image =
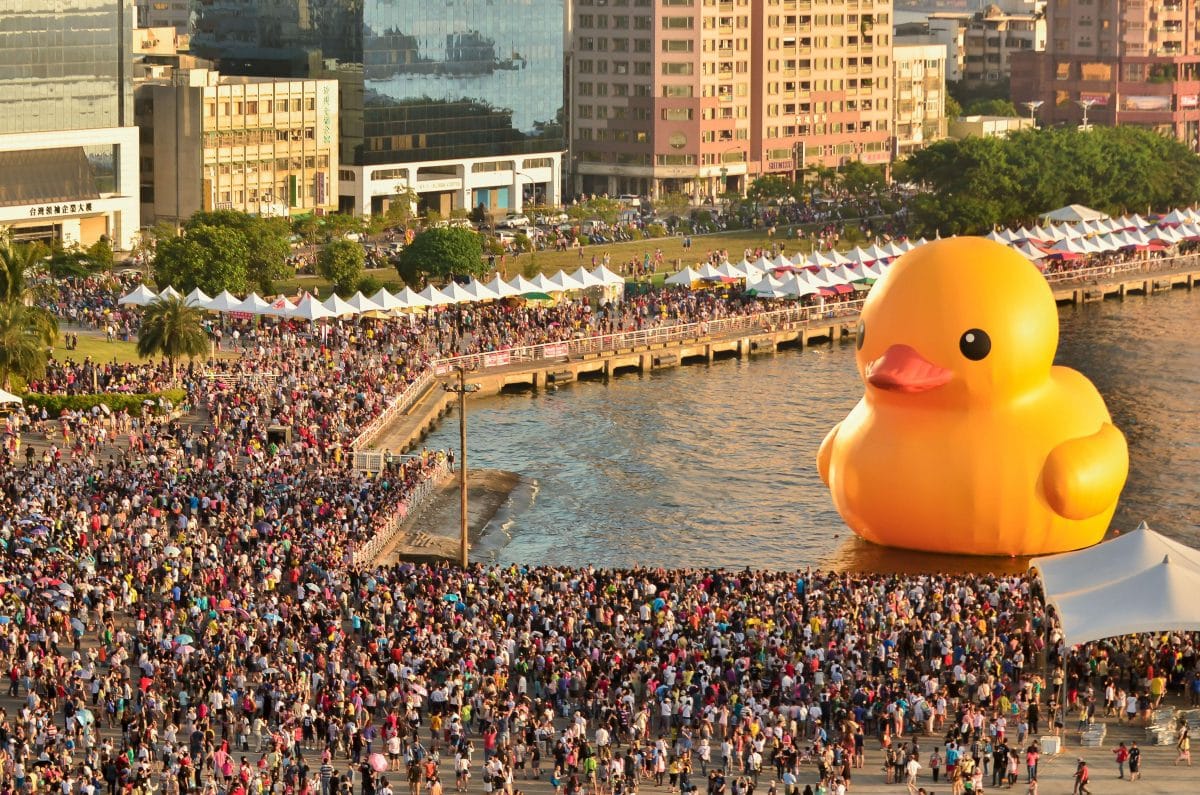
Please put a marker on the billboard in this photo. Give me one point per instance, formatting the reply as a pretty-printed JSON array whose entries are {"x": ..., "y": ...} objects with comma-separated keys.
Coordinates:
[{"x": 1134, "y": 102}]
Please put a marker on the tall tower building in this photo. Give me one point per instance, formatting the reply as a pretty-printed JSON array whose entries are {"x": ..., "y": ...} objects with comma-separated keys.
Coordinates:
[
  {"x": 462, "y": 102},
  {"x": 68, "y": 147},
  {"x": 703, "y": 96},
  {"x": 1129, "y": 62}
]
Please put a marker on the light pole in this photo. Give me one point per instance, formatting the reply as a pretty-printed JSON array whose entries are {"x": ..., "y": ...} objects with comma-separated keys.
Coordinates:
[
  {"x": 1032, "y": 106},
  {"x": 532, "y": 242},
  {"x": 1086, "y": 104},
  {"x": 462, "y": 389}
]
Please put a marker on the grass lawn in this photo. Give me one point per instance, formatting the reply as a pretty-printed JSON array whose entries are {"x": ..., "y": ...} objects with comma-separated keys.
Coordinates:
[{"x": 93, "y": 345}]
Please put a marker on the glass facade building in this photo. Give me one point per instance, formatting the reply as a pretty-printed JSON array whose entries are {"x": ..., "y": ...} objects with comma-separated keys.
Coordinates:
[
  {"x": 65, "y": 65},
  {"x": 420, "y": 81}
]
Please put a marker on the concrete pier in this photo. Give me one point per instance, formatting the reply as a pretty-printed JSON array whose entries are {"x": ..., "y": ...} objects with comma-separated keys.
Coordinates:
[{"x": 411, "y": 428}]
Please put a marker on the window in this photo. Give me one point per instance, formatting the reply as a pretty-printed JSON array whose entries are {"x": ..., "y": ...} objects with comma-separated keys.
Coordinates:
[
  {"x": 671, "y": 68},
  {"x": 678, "y": 23},
  {"x": 677, "y": 45},
  {"x": 677, "y": 114},
  {"x": 677, "y": 92}
]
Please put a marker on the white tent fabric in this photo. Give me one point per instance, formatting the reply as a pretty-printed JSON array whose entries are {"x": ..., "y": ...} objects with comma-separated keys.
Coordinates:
[
  {"x": 795, "y": 286},
  {"x": 197, "y": 297},
  {"x": 8, "y": 397},
  {"x": 142, "y": 296},
  {"x": 1139, "y": 582},
  {"x": 588, "y": 279},
  {"x": 456, "y": 293},
  {"x": 502, "y": 288},
  {"x": 1073, "y": 213},
  {"x": 224, "y": 301},
  {"x": 280, "y": 307},
  {"x": 608, "y": 277},
  {"x": 337, "y": 307},
  {"x": 523, "y": 286},
  {"x": 768, "y": 287},
  {"x": 731, "y": 271},
  {"x": 412, "y": 300},
  {"x": 169, "y": 292},
  {"x": 310, "y": 308},
  {"x": 254, "y": 305},
  {"x": 709, "y": 273},
  {"x": 363, "y": 304},
  {"x": 479, "y": 291},
  {"x": 386, "y": 300},
  {"x": 684, "y": 277},
  {"x": 1179, "y": 216},
  {"x": 1029, "y": 251},
  {"x": 435, "y": 297},
  {"x": 563, "y": 282}
]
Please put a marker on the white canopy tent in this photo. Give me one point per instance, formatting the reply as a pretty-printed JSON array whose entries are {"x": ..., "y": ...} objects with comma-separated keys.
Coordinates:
[
  {"x": 435, "y": 297},
  {"x": 141, "y": 296},
  {"x": 409, "y": 299},
  {"x": 280, "y": 307},
  {"x": 480, "y": 291},
  {"x": 588, "y": 279},
  {"x": 607, "y": 277},
  {"x": 386, "y": 300},
  {"x": 1073, "y": 213},
  {"x": 197, "y": 297},
  {"x": 1139, "y": 582},
  {"x": 523, "y": 286},
  {"x": 224, "y": 301},
  {"x": 309, "y": 308},
  {"x": 684, "y": 277},
  {"x": 168, "y": 293},
  {"x": 254, "y": 304},
  {"x": 363, "y": 304},
  {"x": 457, "y": 293},
  {"x": 337, "y": 307},
  {"x": 8, "y": 397},
  {"x": 502, "y": 288}
]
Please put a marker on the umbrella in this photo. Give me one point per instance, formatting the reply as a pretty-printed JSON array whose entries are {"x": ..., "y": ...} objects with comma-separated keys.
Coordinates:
[
  {"x": 182, "y": 650},
  {"x": 377, "y": 762},
  {"x": 78, "y": 625},
  {"x": 85, "y": 717},
  {"x": 5, "y": 620},
  {"x": 184, "y": 639},
  {"x": 273, "y": 617},
  {"x": 171, "y": 551}
]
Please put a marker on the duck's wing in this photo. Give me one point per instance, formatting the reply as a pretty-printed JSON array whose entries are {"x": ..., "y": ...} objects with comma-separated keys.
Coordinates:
[
  {"x": 1084, "y": 476},
  {"x": 825, "y": 453}
]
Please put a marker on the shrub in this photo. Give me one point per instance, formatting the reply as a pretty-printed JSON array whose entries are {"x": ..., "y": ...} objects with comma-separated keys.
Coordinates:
[
  {"x": 116, "y": 401},
  {"x": 656, "y": 230}
]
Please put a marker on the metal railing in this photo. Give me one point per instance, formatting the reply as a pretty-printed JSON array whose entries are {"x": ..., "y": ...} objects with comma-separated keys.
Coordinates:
[
  {"x": 366, "y": 554},
  {"x": 400, "y": 404},
  {"x": 1151, "y": 265}
]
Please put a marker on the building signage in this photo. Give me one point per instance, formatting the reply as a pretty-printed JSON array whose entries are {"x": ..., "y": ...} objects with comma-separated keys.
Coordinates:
[
  {"x": 1146, "y": 103},
  {"x": 327, "y": 113},
  {"x": 1096, "y": 98},
  {"x": 780, "y": 165},
  {"x": 428, "y": 185},
  {"x": 1189, "y": 100},
  {"x": 43, "y": 210},
  {"x": 320, "y": 189}
]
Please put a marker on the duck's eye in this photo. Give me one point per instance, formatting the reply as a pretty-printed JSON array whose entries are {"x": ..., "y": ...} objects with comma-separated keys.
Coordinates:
[
  {"x": 859, "y": 335},
  {"x": 975, "y": 344}
]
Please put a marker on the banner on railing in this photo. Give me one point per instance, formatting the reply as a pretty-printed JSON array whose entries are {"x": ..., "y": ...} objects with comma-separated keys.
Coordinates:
[
  {"x": 556, "y": 349},
  {"x": 496, "y": 359},
  {"x": 441, "y": 368}
]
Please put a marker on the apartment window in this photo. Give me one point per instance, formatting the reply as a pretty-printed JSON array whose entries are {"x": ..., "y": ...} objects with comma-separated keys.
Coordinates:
[
  {"x": 584, "y": 66},
  {"x": 677, "y": 114},
  {"x": 621, "y": 22},
  {"x": 642, "y": 68},
  {"x": 670, "y": 68},
  {"x": 641, "y": 45},
  {"x": 643, "y": 23},
  {"x": 677, "y": 2},
  {"x": 678, "y": 23},
  {"x": 586, "y": 21},
  {"x": 620, "y": 45},
  {"x": 677, "y": 92},
  {"x": 585, "y": 89},
  {"x": 677, "y": 45}
]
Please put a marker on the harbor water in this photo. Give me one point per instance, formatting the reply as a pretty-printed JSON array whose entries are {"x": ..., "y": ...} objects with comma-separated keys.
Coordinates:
[{"x": 713, "y": 465}]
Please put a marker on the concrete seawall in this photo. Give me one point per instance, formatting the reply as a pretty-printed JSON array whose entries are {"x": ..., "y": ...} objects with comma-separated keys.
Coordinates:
[{"x": 408, "y": 430}]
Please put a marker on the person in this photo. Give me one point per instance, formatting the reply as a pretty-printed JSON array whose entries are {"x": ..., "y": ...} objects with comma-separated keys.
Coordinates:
[
  {"x": 1185, "y": 746},
  {"x": 1135, "y": 761},
  {"x": 1081, "y": 778},
  {"x": 935, "y": 762},
  {"x": 1122, "y": 755},
  {"x": 911, "y": 770}
]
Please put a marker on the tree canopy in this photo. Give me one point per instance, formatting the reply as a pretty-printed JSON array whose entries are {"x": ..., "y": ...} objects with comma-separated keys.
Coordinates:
[
  {"x": 341, "y": 262},
  {"x": 213, "y": 258},
  {"x": 976, "y": 183},
  {"x": 172, "y": 329},
  {"x": 442, "y": 252},
  {"x": 266, "y": 241}
]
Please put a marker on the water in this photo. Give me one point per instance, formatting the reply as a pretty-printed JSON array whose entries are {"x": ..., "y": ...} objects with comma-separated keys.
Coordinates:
[{"x": 713, "y": 465}]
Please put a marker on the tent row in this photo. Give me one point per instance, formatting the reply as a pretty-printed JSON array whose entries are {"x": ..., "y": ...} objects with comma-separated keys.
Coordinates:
[{"x": 309, "y": 308}]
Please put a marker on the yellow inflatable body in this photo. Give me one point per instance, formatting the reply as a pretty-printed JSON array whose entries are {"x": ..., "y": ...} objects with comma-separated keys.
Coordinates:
[{"x": 967, "y": 439}]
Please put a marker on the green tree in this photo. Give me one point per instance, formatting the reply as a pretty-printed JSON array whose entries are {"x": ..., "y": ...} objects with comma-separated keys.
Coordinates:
[
  {"x": 100, "y": 254},
  {"x": 672, "y": 204},
  {"x": 19, "y": 263},
  {"x": 860, "y": 178},
  {"x": 26, "y": 334},
  {"x": 341, "y": 262},
  {"x": 266, "y": 240},
  {"x": 770, "y": 187},
  {"x": 991, "y": 107},
  {"x": 442, "y": 252},
  {"x": 606, "y": 210},
  {"x": 172, "y": 329},
  {"x": 953, "y": 109},
  {"x": 213, "y": 258}
]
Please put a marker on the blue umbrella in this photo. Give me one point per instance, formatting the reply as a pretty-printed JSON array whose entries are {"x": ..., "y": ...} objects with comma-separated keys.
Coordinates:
[
  {"x": 272, "y": 617},
  {"x": 184, "y": 639},
  {"x": 5, "y": 620}
]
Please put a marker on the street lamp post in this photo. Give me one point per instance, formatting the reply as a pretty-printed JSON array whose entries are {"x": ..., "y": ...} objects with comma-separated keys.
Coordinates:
[
  {"x": 1032, "y": 106},
  {"x": 532, "y": 242},
  {"x": 1086, "y": 104},
  {"x": 462, "y": 389}
]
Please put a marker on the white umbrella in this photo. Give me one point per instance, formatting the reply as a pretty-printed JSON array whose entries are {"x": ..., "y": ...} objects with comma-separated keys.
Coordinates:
[
  {"x": 501, "y": 288},
  {"x": 588, "y": 279},
  {"x": 254, "y": 304},
  {"x": 141, "y": 296},
  {"x": 684, "y": 277},
  {"x": 480, "y": 291},
  {"x": 280, "y": 307},
  {"x": 435, "y": 297},
  {"x": 412, "y": 300},
  {"x": 225, "y": 301},
  {"x": 386, "y": 301},
  {"x": 608, "y": 277},
  {"x": 310, "y": 308},
  {"x": 363, "y": 304},
  {"x": 337, "y": 307},
  {"x": 169, "y": 293},
  {"x": 523, "y": 286},
  {"x": 197, "y": 297}
]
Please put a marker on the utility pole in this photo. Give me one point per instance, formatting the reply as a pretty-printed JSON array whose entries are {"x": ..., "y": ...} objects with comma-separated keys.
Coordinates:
[{"x": 462, "y": 388}]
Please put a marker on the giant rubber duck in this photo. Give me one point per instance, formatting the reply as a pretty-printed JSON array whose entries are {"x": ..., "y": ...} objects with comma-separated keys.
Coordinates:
[{"x": 968, "y": 440}]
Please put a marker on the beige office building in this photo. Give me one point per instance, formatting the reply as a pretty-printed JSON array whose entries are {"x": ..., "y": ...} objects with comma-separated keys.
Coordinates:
[
  {"x": 216, "y": 142},
  {"x": 982, "y": 44},
  {"x": 703, "y": 96},
  {"x": 920, "y": 96}
]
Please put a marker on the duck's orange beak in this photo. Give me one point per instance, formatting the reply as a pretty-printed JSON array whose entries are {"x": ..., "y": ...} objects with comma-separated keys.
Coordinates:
[{"x": 902, "y": 369}]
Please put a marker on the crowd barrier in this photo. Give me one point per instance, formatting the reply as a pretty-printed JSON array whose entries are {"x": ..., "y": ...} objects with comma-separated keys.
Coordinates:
[{"x": 366, "y": 554}]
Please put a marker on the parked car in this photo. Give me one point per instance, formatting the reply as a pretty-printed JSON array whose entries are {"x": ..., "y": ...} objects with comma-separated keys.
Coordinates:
[{"x": 514, "y": 221}]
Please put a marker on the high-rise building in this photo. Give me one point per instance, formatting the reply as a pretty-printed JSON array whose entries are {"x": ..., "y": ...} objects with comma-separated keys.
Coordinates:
[
  {"x": 702, "y": 96},
  {"x": 68, "y": 147},
  {"x": 259, "y": 145},
  {"x": 920, "y": 95},
  {"x": 461, "y": 102},
  {"x": 983, "y": 43},
  {"x": 1123, "y": 62},
  {"x": 175, "y": 14}
]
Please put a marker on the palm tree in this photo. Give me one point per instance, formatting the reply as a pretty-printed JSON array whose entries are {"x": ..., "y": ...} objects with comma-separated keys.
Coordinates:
[
  {"x": 172, "y": 329},
  {"x": 26, "y": 334},
  {"x": 18, "y": 263}
]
